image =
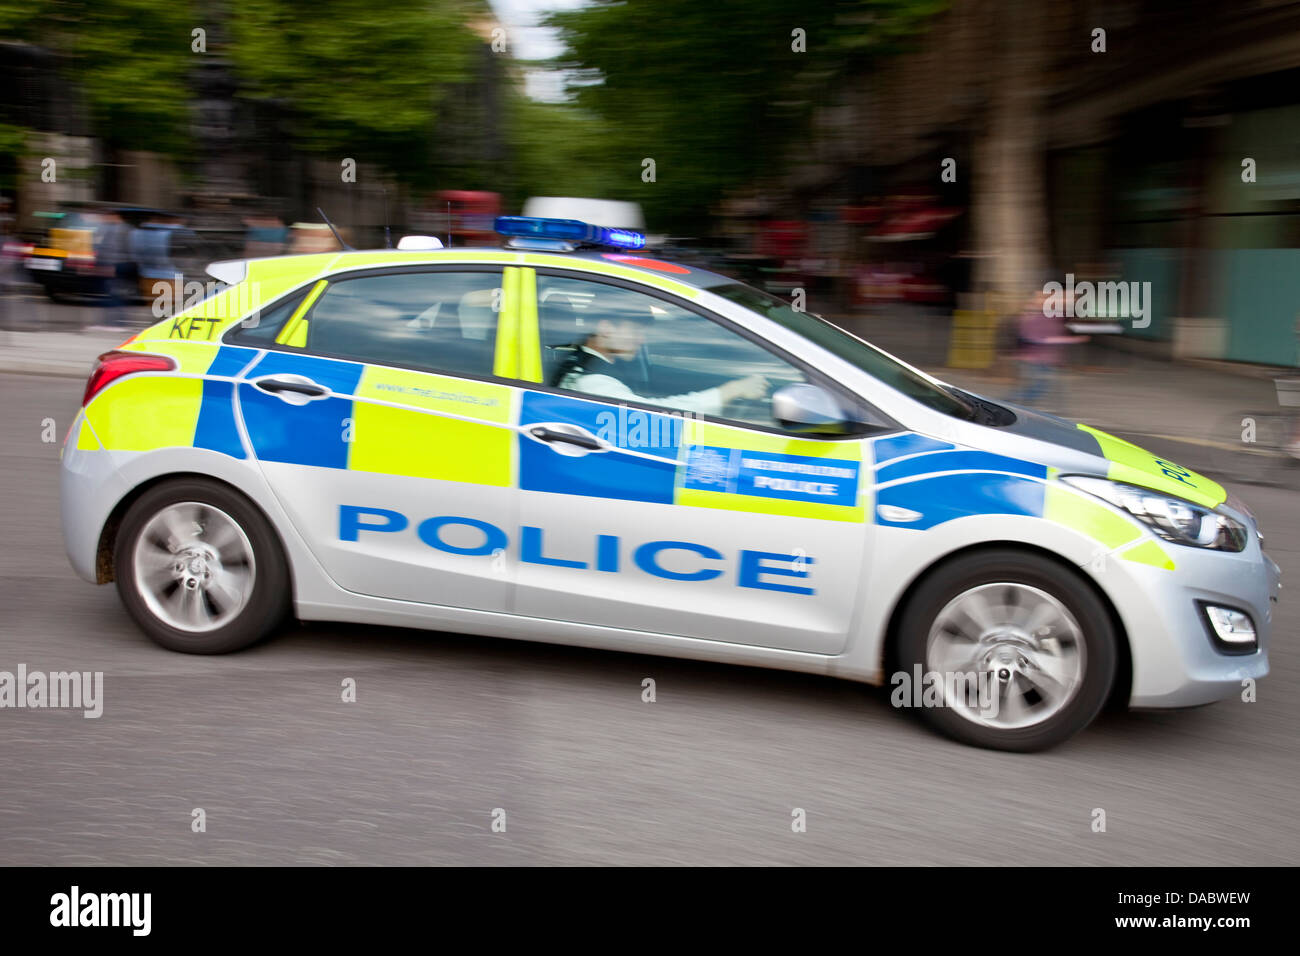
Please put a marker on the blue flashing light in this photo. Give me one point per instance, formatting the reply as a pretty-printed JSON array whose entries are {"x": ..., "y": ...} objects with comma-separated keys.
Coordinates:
[{"x": 569, "y": 230}]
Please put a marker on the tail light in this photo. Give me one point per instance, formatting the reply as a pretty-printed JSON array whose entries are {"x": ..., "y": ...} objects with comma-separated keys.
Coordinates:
[{"x": 113, "y": 365}]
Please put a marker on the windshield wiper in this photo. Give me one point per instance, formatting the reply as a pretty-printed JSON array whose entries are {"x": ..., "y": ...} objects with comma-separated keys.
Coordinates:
[{"x": 983, "y": 411}]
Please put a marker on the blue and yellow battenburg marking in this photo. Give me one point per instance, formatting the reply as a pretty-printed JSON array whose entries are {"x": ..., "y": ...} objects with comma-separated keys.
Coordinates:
[
  {"x": 667, "y": 458},
  {"x": 145, "y": 412},
  {"x": 378, "y": 420},
  {"x": 939, "y": 482}
]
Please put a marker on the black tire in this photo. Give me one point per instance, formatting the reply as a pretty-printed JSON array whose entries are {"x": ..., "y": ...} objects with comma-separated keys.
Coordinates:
[
  {"x": 1016, "y": 567},
  {"x": 267, "y": 602}
]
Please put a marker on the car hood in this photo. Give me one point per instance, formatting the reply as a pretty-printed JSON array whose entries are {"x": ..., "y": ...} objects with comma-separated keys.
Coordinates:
[{"x": 1116, "y": 458}]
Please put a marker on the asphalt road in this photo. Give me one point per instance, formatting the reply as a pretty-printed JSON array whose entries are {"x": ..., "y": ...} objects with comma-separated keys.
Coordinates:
[{"x": 448, "y": 727}]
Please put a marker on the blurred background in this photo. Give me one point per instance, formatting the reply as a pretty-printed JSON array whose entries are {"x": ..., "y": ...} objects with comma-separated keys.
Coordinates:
[{"x": 803, "y": 149}]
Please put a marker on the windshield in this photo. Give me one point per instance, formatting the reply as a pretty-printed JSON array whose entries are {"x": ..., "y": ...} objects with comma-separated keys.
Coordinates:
[{"x": 876, "y": 363}]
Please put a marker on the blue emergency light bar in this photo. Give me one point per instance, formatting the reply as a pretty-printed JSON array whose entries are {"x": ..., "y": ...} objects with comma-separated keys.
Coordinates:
[{"x": 568, "y": 230}]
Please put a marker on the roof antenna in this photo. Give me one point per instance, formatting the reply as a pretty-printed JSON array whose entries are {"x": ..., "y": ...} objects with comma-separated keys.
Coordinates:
[
  {"x": 388, "y": 236},
  {"x": 333, "y": 230},
  {"x": 448, "y": 223}
]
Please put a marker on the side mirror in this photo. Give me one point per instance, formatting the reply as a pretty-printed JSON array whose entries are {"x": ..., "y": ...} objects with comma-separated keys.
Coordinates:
[{"x": 807, "y": 408}]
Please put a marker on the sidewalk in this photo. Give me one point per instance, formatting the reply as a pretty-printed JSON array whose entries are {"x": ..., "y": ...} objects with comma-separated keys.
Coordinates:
[{"x": 69, "y": 354}]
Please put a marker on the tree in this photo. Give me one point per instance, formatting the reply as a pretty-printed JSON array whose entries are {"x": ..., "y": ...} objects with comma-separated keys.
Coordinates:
[
  {"x": 129, "y": 59},
  {"x": 358, "y": 79},
  {"x": 716, "y": 93},
  {"x": 559, "y": 149}
]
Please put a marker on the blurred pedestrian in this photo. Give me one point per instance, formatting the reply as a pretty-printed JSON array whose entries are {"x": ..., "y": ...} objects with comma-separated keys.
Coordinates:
[
  {"x": 9, "y": 263},
  {"x": 309, "y": 237},
  {"x": 264, "y": 235},
  {"x": 113, "y": 261},
  {"x": 1041, "y": 352}
]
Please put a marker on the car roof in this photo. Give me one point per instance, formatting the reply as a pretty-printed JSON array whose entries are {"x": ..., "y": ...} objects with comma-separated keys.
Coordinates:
[{"x": 645, "y": 263}]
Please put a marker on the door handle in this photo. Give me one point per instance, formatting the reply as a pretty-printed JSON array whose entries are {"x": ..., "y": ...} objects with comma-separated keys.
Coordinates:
[
  {"x": 294, "y": 389},
  {"x": 576, "y": 437}
]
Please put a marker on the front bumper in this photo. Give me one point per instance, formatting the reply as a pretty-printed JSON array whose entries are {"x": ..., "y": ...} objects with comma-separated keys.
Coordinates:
[{"x": 1176, "y": 662}]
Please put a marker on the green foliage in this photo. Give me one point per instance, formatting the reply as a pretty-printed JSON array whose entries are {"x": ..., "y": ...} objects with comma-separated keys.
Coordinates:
[
  {"x": 12, "y": 140},
  {"x": 354, "y": 78},
  {"x": 717, "y": 93},
  {"x": 559, "y": 150},
  {"x": 357, "y": 78},
  {"x": 129, "y": 60},
  {"x": 12, "y": 147},
  {"x": 712, "y": 92}
]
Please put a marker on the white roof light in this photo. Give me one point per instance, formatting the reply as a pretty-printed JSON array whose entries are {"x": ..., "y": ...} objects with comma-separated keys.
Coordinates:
[{"x": 419, "y": 242}]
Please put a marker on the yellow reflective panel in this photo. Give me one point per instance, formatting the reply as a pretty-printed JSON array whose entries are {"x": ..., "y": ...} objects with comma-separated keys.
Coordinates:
[
  {"x": 1149, "y": 553},
  {"x": 425, "y": 443},
  {"x": 1080, "y": 512},
  {"x": 530, "y": 340},
  {"x": 459, "y": 396},
  {"x": 86, "y": 440},
  {"x": 395, "y": 441},
  {"x": 194, "y": 318},
  {"x": 700, "y": 432},
  {"x": 1137, "y": 466},
  {"x": 506, "y": 362},
  {"x": 144, "y": 412},
  {"x": 394, "y": 257},
  {"x": 825, "y": 454},
  {"x": 294, "y": 333}
]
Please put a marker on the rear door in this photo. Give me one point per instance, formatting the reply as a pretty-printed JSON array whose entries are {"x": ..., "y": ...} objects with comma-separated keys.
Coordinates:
[{"x": 382, "y": 416}]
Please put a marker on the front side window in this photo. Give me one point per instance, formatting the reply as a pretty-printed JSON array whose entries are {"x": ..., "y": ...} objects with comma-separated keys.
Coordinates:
[
  {"x": 875, "y": 362},
  {"x": 618, "y": 344},
  {"x": 439, "y": 321}
]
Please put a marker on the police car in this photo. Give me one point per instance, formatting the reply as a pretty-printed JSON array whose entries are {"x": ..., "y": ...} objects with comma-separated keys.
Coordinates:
[{"x": 565, "y": 440}]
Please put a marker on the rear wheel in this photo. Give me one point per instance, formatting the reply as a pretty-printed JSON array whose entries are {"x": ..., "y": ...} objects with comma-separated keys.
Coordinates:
[
  {"x": 200, "y": 569},
  {"x": 1020, "y": 648}
]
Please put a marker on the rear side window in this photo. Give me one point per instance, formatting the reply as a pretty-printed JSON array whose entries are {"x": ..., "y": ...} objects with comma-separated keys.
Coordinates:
[
  {"x": 440, "y": 321},
  {"x": 264, "y": 325}
]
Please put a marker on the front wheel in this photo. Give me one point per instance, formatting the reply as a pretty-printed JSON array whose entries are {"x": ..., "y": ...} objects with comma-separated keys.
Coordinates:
[
  {"x": 200, "y": 569},
  {"x": 1020, "y": 650}
]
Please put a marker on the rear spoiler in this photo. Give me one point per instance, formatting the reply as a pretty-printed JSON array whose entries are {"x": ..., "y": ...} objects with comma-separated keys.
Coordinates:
[{"x": 229, "y": 271}]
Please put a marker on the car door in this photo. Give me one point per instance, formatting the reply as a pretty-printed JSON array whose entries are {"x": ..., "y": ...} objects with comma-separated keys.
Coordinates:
[
  {"x": 382, "y": 416},
  {"x": 642, "y": 514}
]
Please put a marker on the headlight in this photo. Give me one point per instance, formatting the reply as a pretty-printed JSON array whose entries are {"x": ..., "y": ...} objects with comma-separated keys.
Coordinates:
[{"x": 1172, "y": 518}]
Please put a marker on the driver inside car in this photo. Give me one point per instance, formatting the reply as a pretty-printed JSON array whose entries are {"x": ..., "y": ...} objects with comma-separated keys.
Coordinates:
[{"x": 603, "y": 364}]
